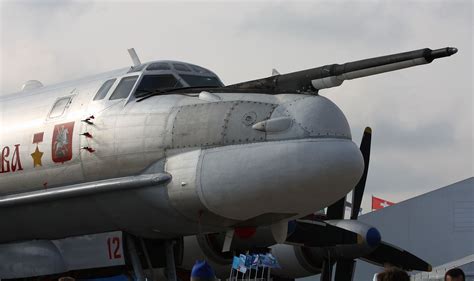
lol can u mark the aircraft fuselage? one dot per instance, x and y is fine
(234, 159)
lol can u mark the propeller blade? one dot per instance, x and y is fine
(358, 191)
(386, 253)
(336, 211)
(326, 271)
(344, 270)
(321, 234)
(229, 236)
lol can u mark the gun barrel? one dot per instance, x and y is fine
(312, 80)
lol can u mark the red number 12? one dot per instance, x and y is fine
(113, 245)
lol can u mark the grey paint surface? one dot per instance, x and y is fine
(43, 257)
(437, 226)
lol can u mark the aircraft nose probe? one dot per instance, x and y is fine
(333, 75)
(446, 52)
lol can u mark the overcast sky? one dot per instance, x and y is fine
(421, 117)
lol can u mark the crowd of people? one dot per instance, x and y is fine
(396, 274)
(202, 271)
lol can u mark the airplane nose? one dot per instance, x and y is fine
(305, 168)
(296, 171)
(279, 179)
(311, 116)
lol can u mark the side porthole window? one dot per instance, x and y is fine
(59, 107)
(123, 88)
(104, 89)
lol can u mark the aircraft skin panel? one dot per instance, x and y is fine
(96, 213)
(126, 140)
(92, 140)
(33, 119)
(54, 88)
(299, 164)
(26, 129)
(129, 138)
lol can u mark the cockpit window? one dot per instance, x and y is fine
(159, 66)
(104, 89)
(200, 70)
(59, 107)
(181, 67)
(151, 83)
(124, 87)
(201, 81)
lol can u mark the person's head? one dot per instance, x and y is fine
(66, 278)
(393, 274)
(202, 271)
(454, 274)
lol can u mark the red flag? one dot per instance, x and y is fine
(379, 203)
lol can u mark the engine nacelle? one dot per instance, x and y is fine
(206, 247)
(371, 238)
(298, 261)
(295, 261)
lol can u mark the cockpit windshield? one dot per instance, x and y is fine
(201, 81)
(153, 83)
(163, 77)
(158, 83)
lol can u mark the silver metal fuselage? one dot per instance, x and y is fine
(226, 170)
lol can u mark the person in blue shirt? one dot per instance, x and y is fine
(202, 271)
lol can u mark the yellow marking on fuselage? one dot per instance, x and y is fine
(37, 155)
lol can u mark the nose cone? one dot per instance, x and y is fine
(304, 162)
(373, 237)
(305, 168)
(313, 116)
(294, 177)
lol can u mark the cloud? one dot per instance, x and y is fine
(330, 22)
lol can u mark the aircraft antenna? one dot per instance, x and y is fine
(134, 56)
